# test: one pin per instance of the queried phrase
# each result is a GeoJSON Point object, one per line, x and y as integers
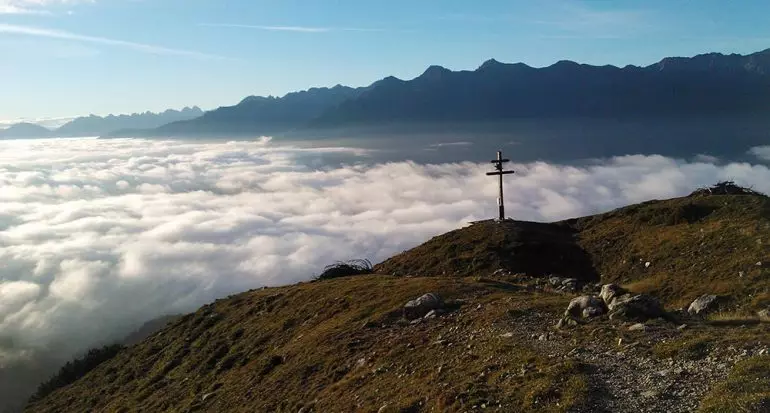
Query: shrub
{"type": "Point", "coordinates": [724, 188]}
{"type": "Point", "coordinates": [76, 369]}
{"type": "Point", "coordinates": [346, 269]}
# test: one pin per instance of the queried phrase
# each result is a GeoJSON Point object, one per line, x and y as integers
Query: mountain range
{"type": "Point", "coordinates": [710, 84]}
{"type": "Point", "coordinates": [97, 125]}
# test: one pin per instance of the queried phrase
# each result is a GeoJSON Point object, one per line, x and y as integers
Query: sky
{"type": "Point", "coordinates": [62, 58]}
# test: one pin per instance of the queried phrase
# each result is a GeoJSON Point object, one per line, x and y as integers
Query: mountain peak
{"type": "Point", "coordinates": [435, 71]}
{"type": "Point", "coordinates": [489, 64]}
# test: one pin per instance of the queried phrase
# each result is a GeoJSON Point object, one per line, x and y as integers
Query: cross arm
{"type": "Point", "coordinates": [501, 173]}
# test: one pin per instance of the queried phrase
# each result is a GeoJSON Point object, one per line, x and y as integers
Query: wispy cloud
{"type": "Point", "coordinates": [577, 19]}
{"type": "Point", "coordinates": [300, 29]}
{"type": "Point", "coordinates": [64, 35]}
{"type": "Point", "coordinates": [34, 6]}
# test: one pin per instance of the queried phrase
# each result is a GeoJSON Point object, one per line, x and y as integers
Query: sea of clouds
{"type": "Point", "coordinates": [99, 236]}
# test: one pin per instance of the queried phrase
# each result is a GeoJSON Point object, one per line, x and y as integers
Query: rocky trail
{"type": "Point", "coordinates": [623, 374]}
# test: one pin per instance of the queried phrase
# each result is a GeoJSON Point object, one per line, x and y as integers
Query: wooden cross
{"type": "Point", "coordinates": [500, 172]}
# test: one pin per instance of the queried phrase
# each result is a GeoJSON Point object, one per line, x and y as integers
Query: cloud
{"type": "Point", "coordinates": [761, 152]}
{"type": "Point", "coordinates": [34, 6]}
{"type": "Point", "coordinates": [50, 123]}
{"type": "Point", "coordinates": [300, 29]}
{"type": "Point", "coordinates": [64, 35]}
{"type": "Point", "coordinates": [98, 236]}
{"type": "Point", "coordinates": [575, 19]}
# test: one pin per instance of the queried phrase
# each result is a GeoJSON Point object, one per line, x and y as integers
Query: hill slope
{"type": "Point", "coordinates": [701, 244]}
{"type": "Point", "coordinates": [344, 344]}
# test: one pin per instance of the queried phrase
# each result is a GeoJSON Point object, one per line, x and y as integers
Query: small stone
{"type": "Point", "coordinates": [759, 263]}
{"type": "Point", "coordinates": [578, 306]}
{"type": "Point", "coordinates": [610, 291]}
{"type": "Point", "coordinates": [506, 335]}
{"type": "Point", "coordinates": [421, 306]}
{"type": "Point", "coordinates": [703, 304]}
{"type": "Point", "coordinates": [638, 327]}
{"type": "Point", "coordinates": [647, 264]}
{"type": "Point", "coordinates": [682, 327]}
{"type": "Point", "coordinates": [543, 337]}
{"type": "Point", "coordinates": [207, 396]}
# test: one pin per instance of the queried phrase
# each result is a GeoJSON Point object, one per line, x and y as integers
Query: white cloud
{"type": "Point", "coordinates": [300, 29]}
{"type": "Point", "coordinates": [98, 236]}
{"type": "Point", "coordinates": [34, 6]}
{"type": "Point", "coordinates": [761, 152]}
{"type": "Point", "coordinates": [64, 35]}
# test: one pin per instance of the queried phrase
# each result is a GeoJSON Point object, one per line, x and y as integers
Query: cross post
{"type": "Point", "coordinates": [500, 172]}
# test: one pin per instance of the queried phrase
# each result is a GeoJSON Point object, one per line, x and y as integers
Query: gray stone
{"type": "Point", "coordinates": [638, 327]}
{"type": "Point", "coordinates": [586, 305]}
{"type": "Point", "coordinates": [610, 291]}
{"type": "Point", "coordinates": [566, 322]}
{"type": "Point", "coordinates": [641, 307]}
{"type": "Point", "coordinates": [703, 304]}
{"type": "Point", "coordinates": [421, 306]}
{"type": "Point", "coordinates": [434, 313]}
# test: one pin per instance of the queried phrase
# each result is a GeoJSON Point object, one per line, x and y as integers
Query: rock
{"type": "Point", "coordinates": [641, 307]}
{"type": "Point", "coordinates": [566, 322]}
{"type": "Point", "coordinates": [682, 327]}
{"type": "Point", "coordinates": [506, 335]}
{"type": "Point", "coordinates": [554, 281]}
{"type": "Point", "coordinates": [434, 313]}
{"type": "Point", "coordinates": [585, 306]}
{"type": "Point", "coordinates": [703, 304]}
{"type": "Point", "coordinates": [638, 327]}
{"type": "Point", "coordinates": [764, 315]}
{"type": "Point", "coordinates": [421, 306]}
{"type": "Point", "coordinates": [207, 396]}
{"type": "Point", "coordinates": [591, 312]}
{"type": "Point", "coordinates": [610, 291]}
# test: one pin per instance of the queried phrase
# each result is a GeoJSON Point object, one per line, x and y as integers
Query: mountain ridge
{"type": "Point", "coordinates": [706, 84]}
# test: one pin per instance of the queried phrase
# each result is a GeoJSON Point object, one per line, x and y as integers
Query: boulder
{"type": "Point", "coordinates": [641, 307]}
{"type": "Point", "coordinates": [585, 306]}
{"type": "Point", "coordinates": [421, 306]}
{"type": "Point", "coordinates": [610, 291]}
{"type": "Point", "coordinates": [704, 304]}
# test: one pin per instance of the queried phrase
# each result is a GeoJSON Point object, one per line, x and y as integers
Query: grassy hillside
{"type": "Point", "coordinates": [342, 345]}
{"type": "Point", "coordinates": [676, 249]}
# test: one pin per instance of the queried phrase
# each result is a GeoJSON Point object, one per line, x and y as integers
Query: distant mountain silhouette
{"type": "Point", "coordinates": [705, 84]}
{"type": "Point", "coordinates": [97, 125]}
{"type": "Point", "coordinates": [256, 115]}
{"type": "Point", "coordinates": [708, 84]}
{"type": "Point", "coordinates": [25, 130]}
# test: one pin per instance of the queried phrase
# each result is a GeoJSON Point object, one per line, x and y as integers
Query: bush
{"type": "Point", "coordinates": [724, 188]}
{"type": "Point", "coordinates": [76, 369]}
{"type": "Point", "coordinates": [346, 269]}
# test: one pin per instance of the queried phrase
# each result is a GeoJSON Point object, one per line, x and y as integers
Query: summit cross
{"type": "Point", "coordinates": [500, 172]}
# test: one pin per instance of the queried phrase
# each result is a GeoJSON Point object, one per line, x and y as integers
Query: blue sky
{"type": "Point", "coordinates": [63, 58]}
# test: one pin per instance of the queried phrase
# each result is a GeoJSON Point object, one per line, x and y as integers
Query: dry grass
{"type": "Point", "coordinates": [336, 345]}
